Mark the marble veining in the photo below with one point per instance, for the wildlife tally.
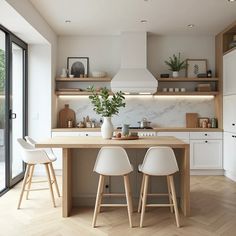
(161, 111)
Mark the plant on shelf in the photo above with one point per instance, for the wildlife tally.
(106, 106)
(175, 64)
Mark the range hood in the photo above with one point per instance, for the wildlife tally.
(133, 76)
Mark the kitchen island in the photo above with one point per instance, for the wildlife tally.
(69, 143)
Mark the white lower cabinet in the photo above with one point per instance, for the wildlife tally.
(230, 155)
(206, 154)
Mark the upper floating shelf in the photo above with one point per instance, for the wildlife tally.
(184, 79)
(89, 79)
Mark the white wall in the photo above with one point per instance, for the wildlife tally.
(39, 92)
(160, 48)
(104, 54)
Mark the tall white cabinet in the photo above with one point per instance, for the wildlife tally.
(229, 114)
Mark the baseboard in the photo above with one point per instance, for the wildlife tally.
(230, 175)
(207, 172)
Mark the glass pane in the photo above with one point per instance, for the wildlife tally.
(2, 110)
(17, 107)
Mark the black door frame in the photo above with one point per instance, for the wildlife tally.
(11, 38)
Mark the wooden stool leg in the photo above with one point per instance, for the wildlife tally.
(169, 193)
(54, 178)
(98, 199)
(172, 186)
(24, 184)
(50, 183)
(145, 190)
(141, 195)
(128, 199)
(31, 172)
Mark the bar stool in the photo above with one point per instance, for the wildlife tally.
(113, 161)
(158, 161)
(32, 156)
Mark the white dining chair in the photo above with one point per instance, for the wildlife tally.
(158, 161)
(113, 161)
(33, 156)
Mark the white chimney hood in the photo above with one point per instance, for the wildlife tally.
(133, 76)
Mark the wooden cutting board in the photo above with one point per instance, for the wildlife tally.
(65, 115)
(191, 120)
(126, 138)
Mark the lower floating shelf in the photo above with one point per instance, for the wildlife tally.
(85, 93)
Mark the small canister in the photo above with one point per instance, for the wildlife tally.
(70, 123)
(213, 123)
(125, 129)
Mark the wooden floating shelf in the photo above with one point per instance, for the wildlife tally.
(78, 93)
(193, 93)
(89, 79)
(184, 79)
(85, 93)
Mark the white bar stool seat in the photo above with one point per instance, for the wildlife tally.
(32, 156)
(113, 161)
(158, 161)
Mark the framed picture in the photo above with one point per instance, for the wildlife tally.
(195, 67)
(201, 120)
(78, 66)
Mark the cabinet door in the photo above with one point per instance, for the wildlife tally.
(229, 65)
(206, 154)
(230, 152)
(229, 113)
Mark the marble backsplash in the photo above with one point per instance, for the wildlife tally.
(162, 111)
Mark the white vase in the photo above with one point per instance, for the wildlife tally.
(107, 128)
(175, 74)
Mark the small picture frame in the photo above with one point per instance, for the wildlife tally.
(78, 66)
(196, 67)
(200, 121)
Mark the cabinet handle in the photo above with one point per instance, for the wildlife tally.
(233, 136)
(206, 141)
(205, 134)
(233, 124)
(86, 134)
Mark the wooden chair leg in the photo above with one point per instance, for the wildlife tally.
(128, 199)
(98, 199)
(31, 172)
(50, 184)
(23, 185)
(172, 186)
(169, 193)
(141, 195)
(145, 191)
(54, 178)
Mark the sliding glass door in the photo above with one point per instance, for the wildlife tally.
(17, 119)
(13, 94)
(2, 110)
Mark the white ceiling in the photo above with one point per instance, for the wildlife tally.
(165, 17)
(14, 22)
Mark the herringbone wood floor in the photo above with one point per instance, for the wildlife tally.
(213, 205)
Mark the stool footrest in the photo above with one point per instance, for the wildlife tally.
(29, 190)
(113, 194)
(158, 194)
(159, 205)
(113, 205)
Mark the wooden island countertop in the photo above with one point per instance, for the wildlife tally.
(68, 143)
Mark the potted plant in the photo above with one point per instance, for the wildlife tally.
(175, 65)
(106, 106)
